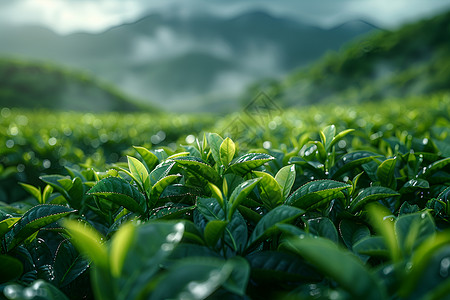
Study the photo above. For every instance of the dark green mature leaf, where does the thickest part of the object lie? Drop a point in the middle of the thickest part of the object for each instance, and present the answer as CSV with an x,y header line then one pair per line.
x,y
68,264
372,246
323,227
371,194
238,280
198,167
11,268
386,173
414,184
192,279
286,178
352,232
34,219
142,260
170,211
120,192
160,186
282,267
271,193
331,260
412,229
434,167
280,214
236,233
315,193
249,162
351,161
210,209
160,171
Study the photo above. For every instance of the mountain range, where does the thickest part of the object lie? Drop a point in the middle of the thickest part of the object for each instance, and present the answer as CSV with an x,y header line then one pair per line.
x,y
185,64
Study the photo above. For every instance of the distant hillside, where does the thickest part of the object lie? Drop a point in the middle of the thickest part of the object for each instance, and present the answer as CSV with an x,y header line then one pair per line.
x,y
37,85
179,61
413,60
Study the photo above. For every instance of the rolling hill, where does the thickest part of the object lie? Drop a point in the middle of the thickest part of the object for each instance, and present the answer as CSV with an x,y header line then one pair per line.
x,y
411,61
37,85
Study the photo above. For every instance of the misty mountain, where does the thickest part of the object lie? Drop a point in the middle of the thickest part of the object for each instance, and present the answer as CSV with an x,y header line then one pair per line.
x,y
413,60
193,63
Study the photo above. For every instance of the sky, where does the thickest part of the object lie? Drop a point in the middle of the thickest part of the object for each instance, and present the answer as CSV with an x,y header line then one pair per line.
x,y
67,16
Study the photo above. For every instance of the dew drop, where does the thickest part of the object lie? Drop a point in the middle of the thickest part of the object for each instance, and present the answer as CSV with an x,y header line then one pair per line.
x,y
445,266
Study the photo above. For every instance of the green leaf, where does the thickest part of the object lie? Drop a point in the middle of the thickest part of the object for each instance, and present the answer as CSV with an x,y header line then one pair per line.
x,y
372,246
160,171
371,194
434,167
239,194
249,162
316,193
383,222
34,219
386,173
193,279
340,265
238,281
139,173
271,193
351,161
327,135
323,227
210,209
11,268
170,211
198,167
120,245
281,267
414,184
6,225
35,192
160,186
339,137
120,192
143,259
214,231
68,264
149,158
55,182
215,141
48,190
88,241
352,232
265,227
286,178
420,261
227,150
412,229
236,233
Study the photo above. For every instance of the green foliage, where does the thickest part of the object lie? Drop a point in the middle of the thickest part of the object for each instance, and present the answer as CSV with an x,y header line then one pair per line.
x,y
343,212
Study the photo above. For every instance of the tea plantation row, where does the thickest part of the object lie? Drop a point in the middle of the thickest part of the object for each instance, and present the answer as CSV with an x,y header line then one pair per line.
x,y
295,210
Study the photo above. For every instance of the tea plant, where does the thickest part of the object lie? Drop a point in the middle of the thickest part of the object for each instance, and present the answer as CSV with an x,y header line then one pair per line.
x,y
211,221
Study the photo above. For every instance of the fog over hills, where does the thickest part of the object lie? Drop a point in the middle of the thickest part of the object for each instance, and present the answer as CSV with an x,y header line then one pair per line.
x,y
185,63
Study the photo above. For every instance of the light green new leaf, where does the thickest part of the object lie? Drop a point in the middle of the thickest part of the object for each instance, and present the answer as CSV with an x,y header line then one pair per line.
x,y
139,173
286,178
270,191
215,141
227,150
149,158
120,244
239,194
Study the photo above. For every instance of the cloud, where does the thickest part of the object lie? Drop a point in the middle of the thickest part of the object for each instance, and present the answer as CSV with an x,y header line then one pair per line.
x,y
66,16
